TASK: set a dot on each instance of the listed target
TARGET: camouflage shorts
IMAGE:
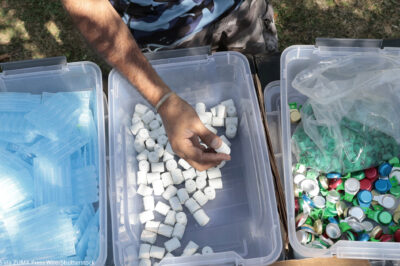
(245, 25)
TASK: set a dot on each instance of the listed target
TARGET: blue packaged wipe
(52, 181)
(18, 102)
(83, 220)
(82, 246)
(84, 183)
(56, 118)
(15, 128)
(40, 233)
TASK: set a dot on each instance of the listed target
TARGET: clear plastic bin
(293, 60)
(244, 223)
(55, 75)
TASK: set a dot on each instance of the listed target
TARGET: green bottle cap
(374, 240)
(355, 202)
(316, 213)
(393, 228)
(347, 176)
(358, 175)
(312, 174)
(340, 187)
(344, 227)
(350, 236)
(393, 181)
(324, 192)
(384, 217)
(396, 165)
(394, 160)
(395, 191)
(310, 222)
(292, 105)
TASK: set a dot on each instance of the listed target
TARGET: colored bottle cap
(350, 236)
(308, 201)
(376, 232)
(384, 169)
(333, 220)
(318, 226)
(333, 196)
(359, 175)
(344, 227)
(364, 198)
(394, 160)
(395, 191)
(386, 238)
(312, 174)
(384, 217)
(295, 116)
(333, 176)
(397, 236)
(396, 217)
(296, 205)
(363, 237)
(297, 191)
(326, 239)
(301, 218)
(366, 184)
(334, 183)
(298, 178)
(300, 168)
(374, 240)
(302, 236)
(357, 212)
(323, 181)
(310, 186)
(355, 225)
(333, 231)
(340, 207)
(382, 186)
(371, 173)
(308, 228)
(388, 201)
(395, 173)
(368, 226)
(319, 202)
(352, 186)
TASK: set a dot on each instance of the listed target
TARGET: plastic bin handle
(337, 42)
(18, 67)
(202, 50)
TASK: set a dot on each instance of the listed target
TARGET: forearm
(106, 32)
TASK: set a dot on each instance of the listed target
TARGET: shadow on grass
(301, 21)
(38, 29)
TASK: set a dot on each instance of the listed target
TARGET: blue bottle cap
(309, 201)
(384, 169)
(333, 220)
(363, 237)
(381, 186)
(364, 198)
(334, 175)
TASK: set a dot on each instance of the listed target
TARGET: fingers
(200, 159)
(209, 138)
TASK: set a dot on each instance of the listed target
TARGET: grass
(301, 21)
(42, 28)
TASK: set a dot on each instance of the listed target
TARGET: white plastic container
(56, 75)
(244, 222)
(293, 60)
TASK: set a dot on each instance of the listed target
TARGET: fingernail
(215, 143)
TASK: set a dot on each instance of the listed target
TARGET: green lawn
(41, 28)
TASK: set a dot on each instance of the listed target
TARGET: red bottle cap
(366, 184)
(371, 173)
(397, 235)
(334, 183)
(386, 238)
(296, 205)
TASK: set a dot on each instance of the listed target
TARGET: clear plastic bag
(351, 120)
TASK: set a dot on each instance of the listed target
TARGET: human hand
(183, 127)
